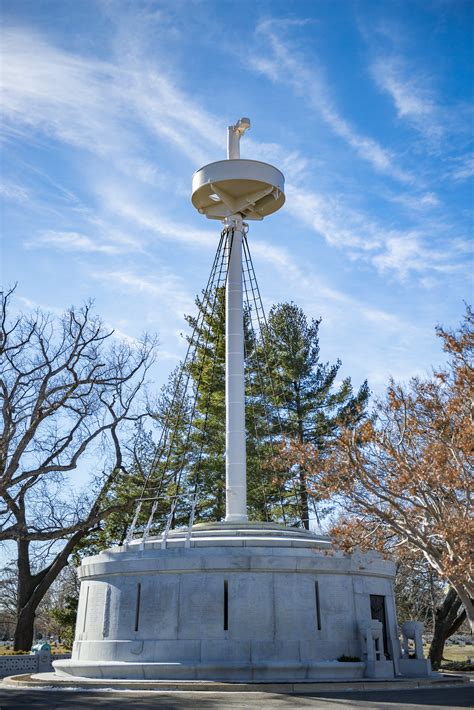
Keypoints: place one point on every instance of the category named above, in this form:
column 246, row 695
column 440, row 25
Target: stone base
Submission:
column 259, row 672
column 379, row 669
column 248, row 601
column 60, row 682
column 415, row 667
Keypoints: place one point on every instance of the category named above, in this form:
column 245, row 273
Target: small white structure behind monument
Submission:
column 235, row 600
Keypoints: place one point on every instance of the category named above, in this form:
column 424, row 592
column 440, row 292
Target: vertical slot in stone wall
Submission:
column 86, row 604
column 318, row 606
column 137, row 606
column 106, row 625
column 226, row 605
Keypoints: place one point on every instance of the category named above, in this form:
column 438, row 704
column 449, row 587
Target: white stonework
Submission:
column 253, row 601
column 235, row 600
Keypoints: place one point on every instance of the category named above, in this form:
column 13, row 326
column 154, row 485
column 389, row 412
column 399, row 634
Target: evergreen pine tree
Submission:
column 303, row 390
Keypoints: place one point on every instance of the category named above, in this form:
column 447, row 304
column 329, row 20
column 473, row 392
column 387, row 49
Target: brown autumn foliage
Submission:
column 409, row 468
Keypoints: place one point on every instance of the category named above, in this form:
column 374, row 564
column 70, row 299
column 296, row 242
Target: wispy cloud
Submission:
column 144, row 217
column 116, row 119
column 390, row 250
column 416, row 202
column 13, row 192
column 75, row 242
column 166, row 288
column 411, row 252
column 82, row 102
column 65, row 95
column 292, row 163
column 463, row 168
column 304, row 282
column 338, row 224
column 285, row 66
column 412, row 94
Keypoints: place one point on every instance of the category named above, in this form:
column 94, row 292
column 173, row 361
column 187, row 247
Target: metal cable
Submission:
column 184, row 368
column 214, row 302
column 219, row 271
column 207, row 408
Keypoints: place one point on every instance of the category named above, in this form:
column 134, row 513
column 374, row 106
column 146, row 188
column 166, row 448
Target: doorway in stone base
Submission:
column 377, row 612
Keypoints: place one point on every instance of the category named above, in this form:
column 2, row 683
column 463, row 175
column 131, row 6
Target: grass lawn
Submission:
column 455, row 658
column 454, row 653
column 458, row 653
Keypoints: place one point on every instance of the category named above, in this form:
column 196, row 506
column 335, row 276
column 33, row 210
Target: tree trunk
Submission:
column 24, row 629
column 304, row 500
column 437, row 646
column 302, row 476
column 32, row 588
column 448, row 618
column 25, row 611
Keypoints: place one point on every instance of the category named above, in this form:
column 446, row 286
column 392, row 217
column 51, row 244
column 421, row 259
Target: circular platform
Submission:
column 52, row 680
column 247, row 187
column 248, row 601
column 235, row 534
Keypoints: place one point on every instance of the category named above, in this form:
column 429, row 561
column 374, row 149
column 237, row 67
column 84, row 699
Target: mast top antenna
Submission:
column 247, row 188
column 235, row 133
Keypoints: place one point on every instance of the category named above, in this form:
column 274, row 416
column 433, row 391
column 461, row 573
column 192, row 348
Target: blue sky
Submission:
column 109, row 107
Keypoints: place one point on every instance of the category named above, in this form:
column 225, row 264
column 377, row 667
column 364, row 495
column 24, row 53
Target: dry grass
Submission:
column 454, row 652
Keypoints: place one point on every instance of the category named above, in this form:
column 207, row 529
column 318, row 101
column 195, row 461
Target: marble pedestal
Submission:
column 252, row 601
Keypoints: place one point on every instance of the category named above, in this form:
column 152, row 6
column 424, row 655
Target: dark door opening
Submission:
column 377, row 612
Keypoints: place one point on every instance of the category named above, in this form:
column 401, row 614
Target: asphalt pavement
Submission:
column 419, row 699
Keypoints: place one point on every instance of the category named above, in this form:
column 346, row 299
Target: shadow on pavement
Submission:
column 422, row 699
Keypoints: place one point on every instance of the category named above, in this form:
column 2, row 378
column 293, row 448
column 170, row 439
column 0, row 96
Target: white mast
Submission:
column 235, row 448
column 231, row 190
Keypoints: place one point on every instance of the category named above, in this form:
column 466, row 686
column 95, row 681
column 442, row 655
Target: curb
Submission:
column 27, row 680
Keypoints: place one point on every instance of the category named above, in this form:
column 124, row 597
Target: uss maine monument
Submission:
column 235, row 600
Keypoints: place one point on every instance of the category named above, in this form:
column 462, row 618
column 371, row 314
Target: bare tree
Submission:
column 69, row 399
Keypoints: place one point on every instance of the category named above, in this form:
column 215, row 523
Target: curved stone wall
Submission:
column 237, row 602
